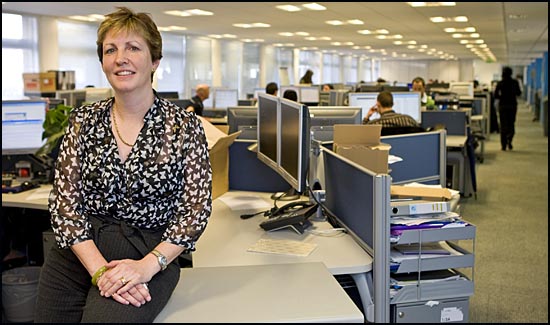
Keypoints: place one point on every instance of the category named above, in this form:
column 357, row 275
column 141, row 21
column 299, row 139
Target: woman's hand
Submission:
column 125, row 281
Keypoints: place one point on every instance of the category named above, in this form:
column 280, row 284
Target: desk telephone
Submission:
column 294, row 215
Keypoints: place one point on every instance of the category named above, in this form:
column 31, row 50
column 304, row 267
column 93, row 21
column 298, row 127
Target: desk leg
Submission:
column 361, row 281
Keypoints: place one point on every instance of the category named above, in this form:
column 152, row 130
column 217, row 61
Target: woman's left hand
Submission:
column 125, row 283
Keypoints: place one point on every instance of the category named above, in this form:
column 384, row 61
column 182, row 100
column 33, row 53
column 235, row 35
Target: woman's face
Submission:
column 127, row 62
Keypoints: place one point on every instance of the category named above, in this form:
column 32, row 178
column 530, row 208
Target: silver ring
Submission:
column 145, row 286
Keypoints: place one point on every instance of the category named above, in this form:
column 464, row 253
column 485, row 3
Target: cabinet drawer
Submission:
column 442, row 311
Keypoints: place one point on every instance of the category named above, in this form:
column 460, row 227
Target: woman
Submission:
column 307, row 77
column 132, row 190
column 506, row 92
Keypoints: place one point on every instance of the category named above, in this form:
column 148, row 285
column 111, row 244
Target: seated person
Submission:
column 272, row 89
column 426, row 101
column 389, row 119
column 290, row 94
column 196, row 102
column 327, row 87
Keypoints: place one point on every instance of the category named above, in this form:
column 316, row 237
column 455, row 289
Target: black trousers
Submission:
column 507, row 115
column 65, row 292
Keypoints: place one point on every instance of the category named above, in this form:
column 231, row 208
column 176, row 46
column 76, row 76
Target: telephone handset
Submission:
column 288, row 207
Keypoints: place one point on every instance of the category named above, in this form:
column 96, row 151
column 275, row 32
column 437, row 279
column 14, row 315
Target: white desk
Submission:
column 298, row 293
column 21, row 200
column 456, row 141
column 227, row 238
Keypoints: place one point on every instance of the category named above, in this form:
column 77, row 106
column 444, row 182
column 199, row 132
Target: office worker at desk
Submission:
column 388, row 117
column 132, row 190
column 196, row 102
column 426, row 101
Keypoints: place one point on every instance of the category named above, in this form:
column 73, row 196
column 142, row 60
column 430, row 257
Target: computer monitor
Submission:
column 331, row 115
column 440, row 86
column 392, row 89
column 97, row 94
column 238, row 116
column 309, row 95
column 22, row 126
column 363, row 88
column 462, row 88
column 365, row 101
column 408, row 102
column 224, row 98
column 324, row 98
column 168, row 94
column 268, row 112
column 294, row 137
column 338, row 97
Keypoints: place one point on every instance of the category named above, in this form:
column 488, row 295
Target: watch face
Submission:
column 163, row 262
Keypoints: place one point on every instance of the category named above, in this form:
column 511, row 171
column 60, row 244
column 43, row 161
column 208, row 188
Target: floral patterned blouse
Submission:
column 166, row 181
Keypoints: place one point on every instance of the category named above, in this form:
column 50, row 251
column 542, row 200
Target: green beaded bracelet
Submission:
column 98, row 275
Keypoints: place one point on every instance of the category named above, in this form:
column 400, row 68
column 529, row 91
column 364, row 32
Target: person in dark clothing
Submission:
column 290, row 94
column 196, row 102
column 507, row 91
column 271, row 88
column 306, row 78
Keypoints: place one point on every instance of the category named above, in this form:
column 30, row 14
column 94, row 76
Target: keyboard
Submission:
column 296, row 220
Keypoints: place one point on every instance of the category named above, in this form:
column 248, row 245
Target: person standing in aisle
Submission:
column 506, row 92
column 132, row 190
column 307, row 77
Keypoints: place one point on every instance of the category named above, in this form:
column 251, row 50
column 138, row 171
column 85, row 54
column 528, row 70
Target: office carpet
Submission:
column 511, row 215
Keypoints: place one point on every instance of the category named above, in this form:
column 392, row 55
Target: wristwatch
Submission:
column 163, row 261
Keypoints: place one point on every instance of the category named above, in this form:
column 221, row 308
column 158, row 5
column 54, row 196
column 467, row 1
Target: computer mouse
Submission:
column 26, row 185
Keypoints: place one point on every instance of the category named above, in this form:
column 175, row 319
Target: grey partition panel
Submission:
column 424, row 157
column 455, row 122
column 248, row 173
column 359, row 200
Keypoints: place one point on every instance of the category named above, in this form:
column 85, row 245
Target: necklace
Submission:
column 116, row 129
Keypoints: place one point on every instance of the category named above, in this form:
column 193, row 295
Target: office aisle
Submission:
column 511, row 215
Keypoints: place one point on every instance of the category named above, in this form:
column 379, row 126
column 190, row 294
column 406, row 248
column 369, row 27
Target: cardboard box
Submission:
column 218, row 145
column 421, row 192
column 361, row 144
column 42, row 82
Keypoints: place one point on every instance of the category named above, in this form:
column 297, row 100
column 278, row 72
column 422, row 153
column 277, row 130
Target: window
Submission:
column 19, row 53
column 170, row 73
column 251, row 69
column 77, row 44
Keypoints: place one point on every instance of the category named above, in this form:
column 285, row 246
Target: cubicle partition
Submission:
column 259, row 177
column 454, row 121
column 359, row 200
column 424, row 157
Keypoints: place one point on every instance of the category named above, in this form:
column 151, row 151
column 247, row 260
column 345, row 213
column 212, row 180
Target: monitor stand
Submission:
column 289, row 195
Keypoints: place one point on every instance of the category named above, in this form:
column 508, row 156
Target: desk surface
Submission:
column 456, row 141
column 227, row 238
column 32, row 199
column 303, row 292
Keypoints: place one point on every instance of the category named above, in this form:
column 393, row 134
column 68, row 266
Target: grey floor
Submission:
column 511, row 215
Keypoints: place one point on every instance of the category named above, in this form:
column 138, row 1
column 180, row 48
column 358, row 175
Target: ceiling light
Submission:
column 460, row 30
column 431, row 4
column 190, row 12
column 517, row 16
column 302, row 33
column 364, row 32
column 355, row 22
column 460, row 19
column 289, row 8
column 310, row 38
column 382, row 31
column 334, row 22
column 286, row 34
column 314, row 6
column 253, row 25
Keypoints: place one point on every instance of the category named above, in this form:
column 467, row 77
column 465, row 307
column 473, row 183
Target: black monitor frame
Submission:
column 241, row 116
column 331, row 115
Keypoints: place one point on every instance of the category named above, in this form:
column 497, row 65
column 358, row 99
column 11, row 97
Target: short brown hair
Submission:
column 124, row 19
column 385, row 98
